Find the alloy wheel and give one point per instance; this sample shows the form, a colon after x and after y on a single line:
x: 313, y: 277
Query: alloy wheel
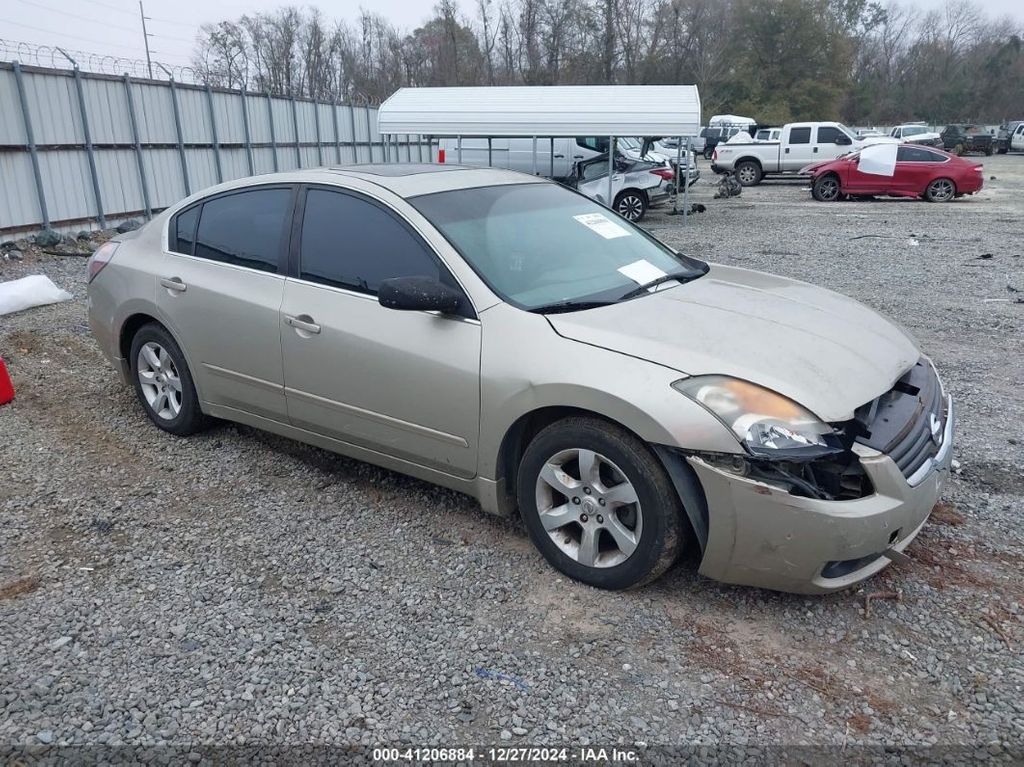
x: 941, y: 190
x: 589, y: 508
x: 828, y: 189
x: 159, y: 380
x: 631, y: 207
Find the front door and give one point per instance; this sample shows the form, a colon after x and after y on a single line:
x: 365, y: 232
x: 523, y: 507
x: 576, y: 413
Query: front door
x: 220, y: 291
x: 406, y: 384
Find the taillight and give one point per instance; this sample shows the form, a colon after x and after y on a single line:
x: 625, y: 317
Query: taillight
x: 979, y: 168
x: 100, y: 258
x: 665, y: 173
x: 714, y: 155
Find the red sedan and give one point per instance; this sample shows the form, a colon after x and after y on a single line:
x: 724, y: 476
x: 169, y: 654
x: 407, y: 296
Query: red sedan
x: 904, y: 170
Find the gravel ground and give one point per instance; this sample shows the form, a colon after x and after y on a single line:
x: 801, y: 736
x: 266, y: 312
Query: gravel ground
x: 240, y: 588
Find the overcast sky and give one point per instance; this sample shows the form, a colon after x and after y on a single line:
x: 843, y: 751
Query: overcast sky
x: 113, y: 27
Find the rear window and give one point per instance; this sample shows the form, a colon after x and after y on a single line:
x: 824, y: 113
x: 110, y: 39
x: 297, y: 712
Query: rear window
x: 800, y: 136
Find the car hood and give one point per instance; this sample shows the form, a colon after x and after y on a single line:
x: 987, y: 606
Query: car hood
x: 825, y: 351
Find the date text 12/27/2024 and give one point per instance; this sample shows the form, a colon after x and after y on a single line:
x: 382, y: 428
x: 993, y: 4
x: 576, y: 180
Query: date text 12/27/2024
x: 502, y: 754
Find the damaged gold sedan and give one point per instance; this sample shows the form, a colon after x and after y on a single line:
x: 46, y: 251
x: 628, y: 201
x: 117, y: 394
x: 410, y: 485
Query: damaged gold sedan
x: 504, y: 336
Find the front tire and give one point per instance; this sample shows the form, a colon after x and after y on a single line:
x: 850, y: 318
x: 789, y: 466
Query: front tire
x: 163, y: 383
x: 631, y: 205
x: 599, y: 505
x: 826, y: 188
x: 748, y: 173
x: 940, y: 190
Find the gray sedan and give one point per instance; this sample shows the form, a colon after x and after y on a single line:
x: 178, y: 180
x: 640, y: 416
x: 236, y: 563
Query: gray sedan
x: 509, y: 338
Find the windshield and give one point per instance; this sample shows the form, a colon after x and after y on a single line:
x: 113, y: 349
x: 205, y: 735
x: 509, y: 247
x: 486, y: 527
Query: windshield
x: 537, y: 245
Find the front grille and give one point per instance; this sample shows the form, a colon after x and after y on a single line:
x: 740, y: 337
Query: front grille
x: 906, y: 423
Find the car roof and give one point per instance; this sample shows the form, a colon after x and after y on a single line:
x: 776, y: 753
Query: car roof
x: 403, y: 179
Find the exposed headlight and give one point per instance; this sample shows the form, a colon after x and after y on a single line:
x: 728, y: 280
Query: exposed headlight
x: 767, y: 423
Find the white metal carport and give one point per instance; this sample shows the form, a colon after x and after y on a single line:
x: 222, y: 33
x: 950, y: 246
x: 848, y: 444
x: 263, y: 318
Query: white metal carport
x: 546, y: 112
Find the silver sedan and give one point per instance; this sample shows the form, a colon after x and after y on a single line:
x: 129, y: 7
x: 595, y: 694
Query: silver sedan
x: 509, y: 338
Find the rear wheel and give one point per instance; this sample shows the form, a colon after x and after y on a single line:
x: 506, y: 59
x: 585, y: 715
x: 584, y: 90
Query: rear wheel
x: 599, y: 505
x: 708, y: 151
x: 826, y: 188
x: 940, y: 190
x: 163, y: 382
x: 631, y: 205
x: 748, y: 173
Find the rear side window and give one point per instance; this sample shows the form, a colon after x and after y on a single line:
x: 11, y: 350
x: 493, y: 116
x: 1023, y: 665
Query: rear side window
x: 800, y: 136
x: 352, y: 243
x: 183, y: 233
x: 916, y: 154
x: 245, y: 229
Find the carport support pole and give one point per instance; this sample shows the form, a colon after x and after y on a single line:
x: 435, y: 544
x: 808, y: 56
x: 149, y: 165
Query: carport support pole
x: 32, y: 150
x: 686, y: 185
x: 611, y: 167
x: 458, y: 149
x: 181, y: 138
x: 270, y: 122
x: 88, y: 146
x: 679, y: 172
x: 213, y: 134
x: 490, y: 157
x: 138, y: 146
x: 535, y: 155
x: 551, y: 155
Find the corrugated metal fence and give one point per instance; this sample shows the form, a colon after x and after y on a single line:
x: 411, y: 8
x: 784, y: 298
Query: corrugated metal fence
x: 79, y: 150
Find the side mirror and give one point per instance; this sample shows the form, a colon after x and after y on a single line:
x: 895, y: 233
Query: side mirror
x: 844, y: 140
x: 418, y: 294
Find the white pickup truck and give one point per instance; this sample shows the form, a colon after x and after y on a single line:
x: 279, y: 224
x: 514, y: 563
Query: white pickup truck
x: 800, y: 145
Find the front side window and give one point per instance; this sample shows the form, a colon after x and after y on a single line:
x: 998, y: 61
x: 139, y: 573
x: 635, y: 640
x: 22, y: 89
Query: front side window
x: 913, y: 131
x: 828, y: 135
x: 800, y: 136
x: 350, y: 242
x: 245, y: 228
x: 540, y: 245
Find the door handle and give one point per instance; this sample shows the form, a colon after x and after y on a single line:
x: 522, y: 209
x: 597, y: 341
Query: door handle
x: 302, y: 322
x: 559, y: 156
x: 174, y: 283
x: 577, y: 157
x: 815, y: 150
x: 787, y: 150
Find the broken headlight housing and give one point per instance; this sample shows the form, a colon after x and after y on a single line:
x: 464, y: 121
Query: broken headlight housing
x: 767, y: 424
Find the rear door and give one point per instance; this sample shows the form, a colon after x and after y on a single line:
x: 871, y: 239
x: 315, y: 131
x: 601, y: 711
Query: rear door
x: 916, y: 167
x: 221, y: 291
x: 402, y: 383
x: 797, y: 149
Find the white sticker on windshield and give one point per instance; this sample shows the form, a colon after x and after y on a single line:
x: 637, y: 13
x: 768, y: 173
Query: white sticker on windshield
x: 603, y: 226
x: 641, y: 272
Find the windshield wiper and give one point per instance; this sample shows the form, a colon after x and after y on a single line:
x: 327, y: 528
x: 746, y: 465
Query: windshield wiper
x: 639, y: 290
x: 561, y: 307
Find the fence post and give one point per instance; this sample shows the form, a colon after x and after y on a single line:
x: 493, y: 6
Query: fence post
x: 295, y: 124
x: 181, y: 139
x: 138, y: 146
x: 369, y: 130
x: 273, y: 138
x: 352, y: 123
x: 337, y: 136
x: 89, y: 148
x: 30, y: 138
x: 319, y: 140
x: 248, y: 137
x: 213, y: 134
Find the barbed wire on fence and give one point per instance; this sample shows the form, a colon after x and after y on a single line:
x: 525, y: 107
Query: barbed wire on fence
x: 57, y: 57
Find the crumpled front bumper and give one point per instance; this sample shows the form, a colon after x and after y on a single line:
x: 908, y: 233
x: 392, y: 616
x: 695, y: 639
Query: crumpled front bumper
x: 761, y: 535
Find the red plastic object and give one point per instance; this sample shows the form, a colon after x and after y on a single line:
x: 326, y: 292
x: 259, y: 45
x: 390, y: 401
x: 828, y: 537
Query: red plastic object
x: 440, y: 156
x: 6, y: 387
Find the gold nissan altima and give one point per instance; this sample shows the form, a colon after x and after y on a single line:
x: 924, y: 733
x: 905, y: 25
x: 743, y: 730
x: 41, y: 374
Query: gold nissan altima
x: 504, y: 336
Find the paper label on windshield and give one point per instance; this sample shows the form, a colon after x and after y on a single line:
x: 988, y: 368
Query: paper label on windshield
x: 641, y: 272
x: 603, y: 226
